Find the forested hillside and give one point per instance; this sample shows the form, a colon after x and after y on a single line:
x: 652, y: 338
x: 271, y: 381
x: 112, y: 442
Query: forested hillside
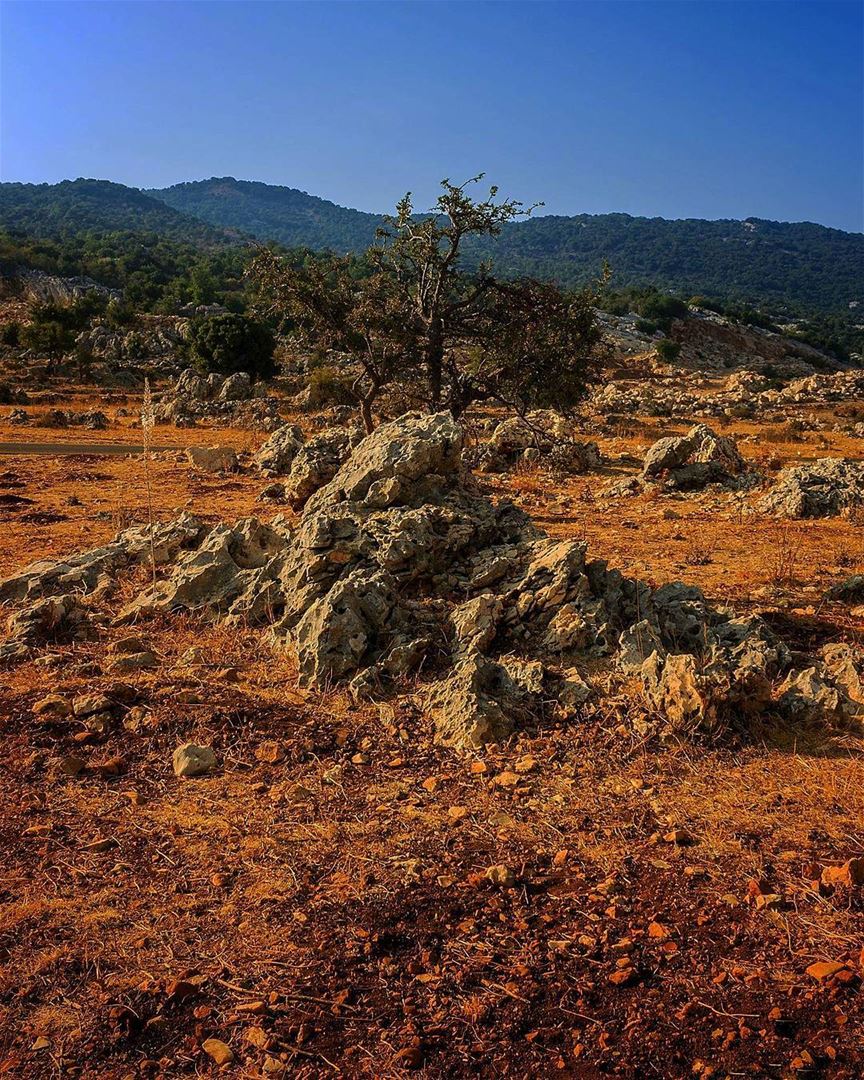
x: 76, y: 206
x: 123, y: 236
x: 807, y: 267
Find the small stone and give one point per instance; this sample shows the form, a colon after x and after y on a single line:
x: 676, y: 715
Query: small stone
x: 131, y: 644
x: 140, y: 661
x: 506, y: 779
x: 769, y: 901
x: 91, y: 705
x: 52, y: 707
x: 221, y: 1052
x: 501, y: 875
x: 258, y: 1037
x: 193, y: 760
x: 270, y: 752
x: 824, y: 969
x: 847, y: 876
x: 681, y: 837
x: 623, y: 976
x: 457, y: 813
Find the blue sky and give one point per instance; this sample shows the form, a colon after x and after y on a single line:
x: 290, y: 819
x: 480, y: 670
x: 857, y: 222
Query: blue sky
x: 681, y: 109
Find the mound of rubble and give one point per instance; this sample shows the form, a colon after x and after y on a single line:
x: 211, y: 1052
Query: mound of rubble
x: 401, y: 577
x: 688, y: 463
x: 744, y: 394
x: 232, y: 399
x: 540, y: 438
x: 823, y: 488
x: 92, y: 419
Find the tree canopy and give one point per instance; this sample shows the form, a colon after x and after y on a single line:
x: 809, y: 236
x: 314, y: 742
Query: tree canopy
x: 446, y: 335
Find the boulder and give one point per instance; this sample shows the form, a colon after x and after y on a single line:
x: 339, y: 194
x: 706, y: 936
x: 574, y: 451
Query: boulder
x: 193, y: 760
x: 824, y: 488
x: 212, y: 458
x: 693, y: 460
x: 237, y: 387
x: 277, y: 454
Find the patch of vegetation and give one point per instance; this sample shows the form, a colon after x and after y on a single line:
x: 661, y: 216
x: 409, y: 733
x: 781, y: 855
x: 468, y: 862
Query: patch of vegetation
x: 230, y: 343
x: 447, y: 336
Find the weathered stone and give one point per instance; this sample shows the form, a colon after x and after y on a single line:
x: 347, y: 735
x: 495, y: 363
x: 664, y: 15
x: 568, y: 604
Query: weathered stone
x: 690, y: 461
x: 277, y: 454
x: 193, y: 760
x: 823, y: 488
x: 212, y: 458
x: 317, y: 461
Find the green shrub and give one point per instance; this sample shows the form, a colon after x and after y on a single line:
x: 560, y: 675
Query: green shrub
x: 329, y: 386
x: 667, y: 350
x: 230, y: 343
x: 645, y: 326
x: 10, y: 334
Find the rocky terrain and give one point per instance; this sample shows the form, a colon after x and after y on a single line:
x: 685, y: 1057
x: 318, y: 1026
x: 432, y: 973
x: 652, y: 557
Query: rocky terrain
x: 510, y: 747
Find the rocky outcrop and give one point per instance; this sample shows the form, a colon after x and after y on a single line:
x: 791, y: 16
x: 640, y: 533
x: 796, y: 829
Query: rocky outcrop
x: 399, y: 567
x: 61, y: 618
x: 317, y: 461
x: 689, y: 462
x: 824, y: 488
x: 276, y: 456
x: 232, y: 399
x: 82, y: 572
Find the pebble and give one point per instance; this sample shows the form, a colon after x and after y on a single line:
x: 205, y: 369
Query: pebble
x: 221, y: 1052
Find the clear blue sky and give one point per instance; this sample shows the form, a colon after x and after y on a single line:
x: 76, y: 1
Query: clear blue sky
x: 687, y: 109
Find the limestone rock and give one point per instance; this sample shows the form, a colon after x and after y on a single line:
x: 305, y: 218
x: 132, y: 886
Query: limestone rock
x: 212, y: 458
x: 193, y: 760
x: 277, y: 454
x: 823, y: 488
x: 317, y: 461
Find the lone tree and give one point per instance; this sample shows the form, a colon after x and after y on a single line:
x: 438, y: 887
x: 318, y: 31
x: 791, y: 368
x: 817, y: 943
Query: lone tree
x: 447, y: 336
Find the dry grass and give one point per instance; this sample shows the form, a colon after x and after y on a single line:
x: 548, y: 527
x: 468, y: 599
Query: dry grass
x: 330, y: 881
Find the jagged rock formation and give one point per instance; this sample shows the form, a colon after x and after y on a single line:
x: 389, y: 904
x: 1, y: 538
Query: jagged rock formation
x: 693, y: 460
x: 543, y: 437
x: 231, y: 398
x: 824, y: 488
x: 687, y: 463
x: 399, y: 567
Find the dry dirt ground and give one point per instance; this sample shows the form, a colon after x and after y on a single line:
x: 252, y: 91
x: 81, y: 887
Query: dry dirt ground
x: 319, y: 905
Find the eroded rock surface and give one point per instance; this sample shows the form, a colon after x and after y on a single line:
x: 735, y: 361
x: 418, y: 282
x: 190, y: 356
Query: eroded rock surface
x: 399, y: 567
x: 823, y: 488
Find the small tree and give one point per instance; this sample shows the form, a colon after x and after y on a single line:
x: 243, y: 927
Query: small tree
x: 50, y: 339
x: 667, y: 350
x: 446, y: 335
x: 230, y: 343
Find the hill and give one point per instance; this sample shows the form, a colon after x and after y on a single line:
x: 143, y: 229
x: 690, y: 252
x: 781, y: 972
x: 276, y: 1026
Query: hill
x: 270, y: 212
x: 99, y: 206
x: 787, y: 268
x: 805, y: 266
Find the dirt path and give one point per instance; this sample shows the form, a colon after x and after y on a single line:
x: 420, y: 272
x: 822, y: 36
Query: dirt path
x: 23, y: 448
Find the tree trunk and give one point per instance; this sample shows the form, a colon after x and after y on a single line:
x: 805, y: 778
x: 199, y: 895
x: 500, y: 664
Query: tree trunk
x: 366, y: 414
x: 435, y: 362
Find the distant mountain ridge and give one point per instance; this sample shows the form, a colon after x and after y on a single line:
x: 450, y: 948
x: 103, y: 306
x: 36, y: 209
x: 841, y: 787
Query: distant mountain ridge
x: 804, y: 266
x: 756, y: 260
